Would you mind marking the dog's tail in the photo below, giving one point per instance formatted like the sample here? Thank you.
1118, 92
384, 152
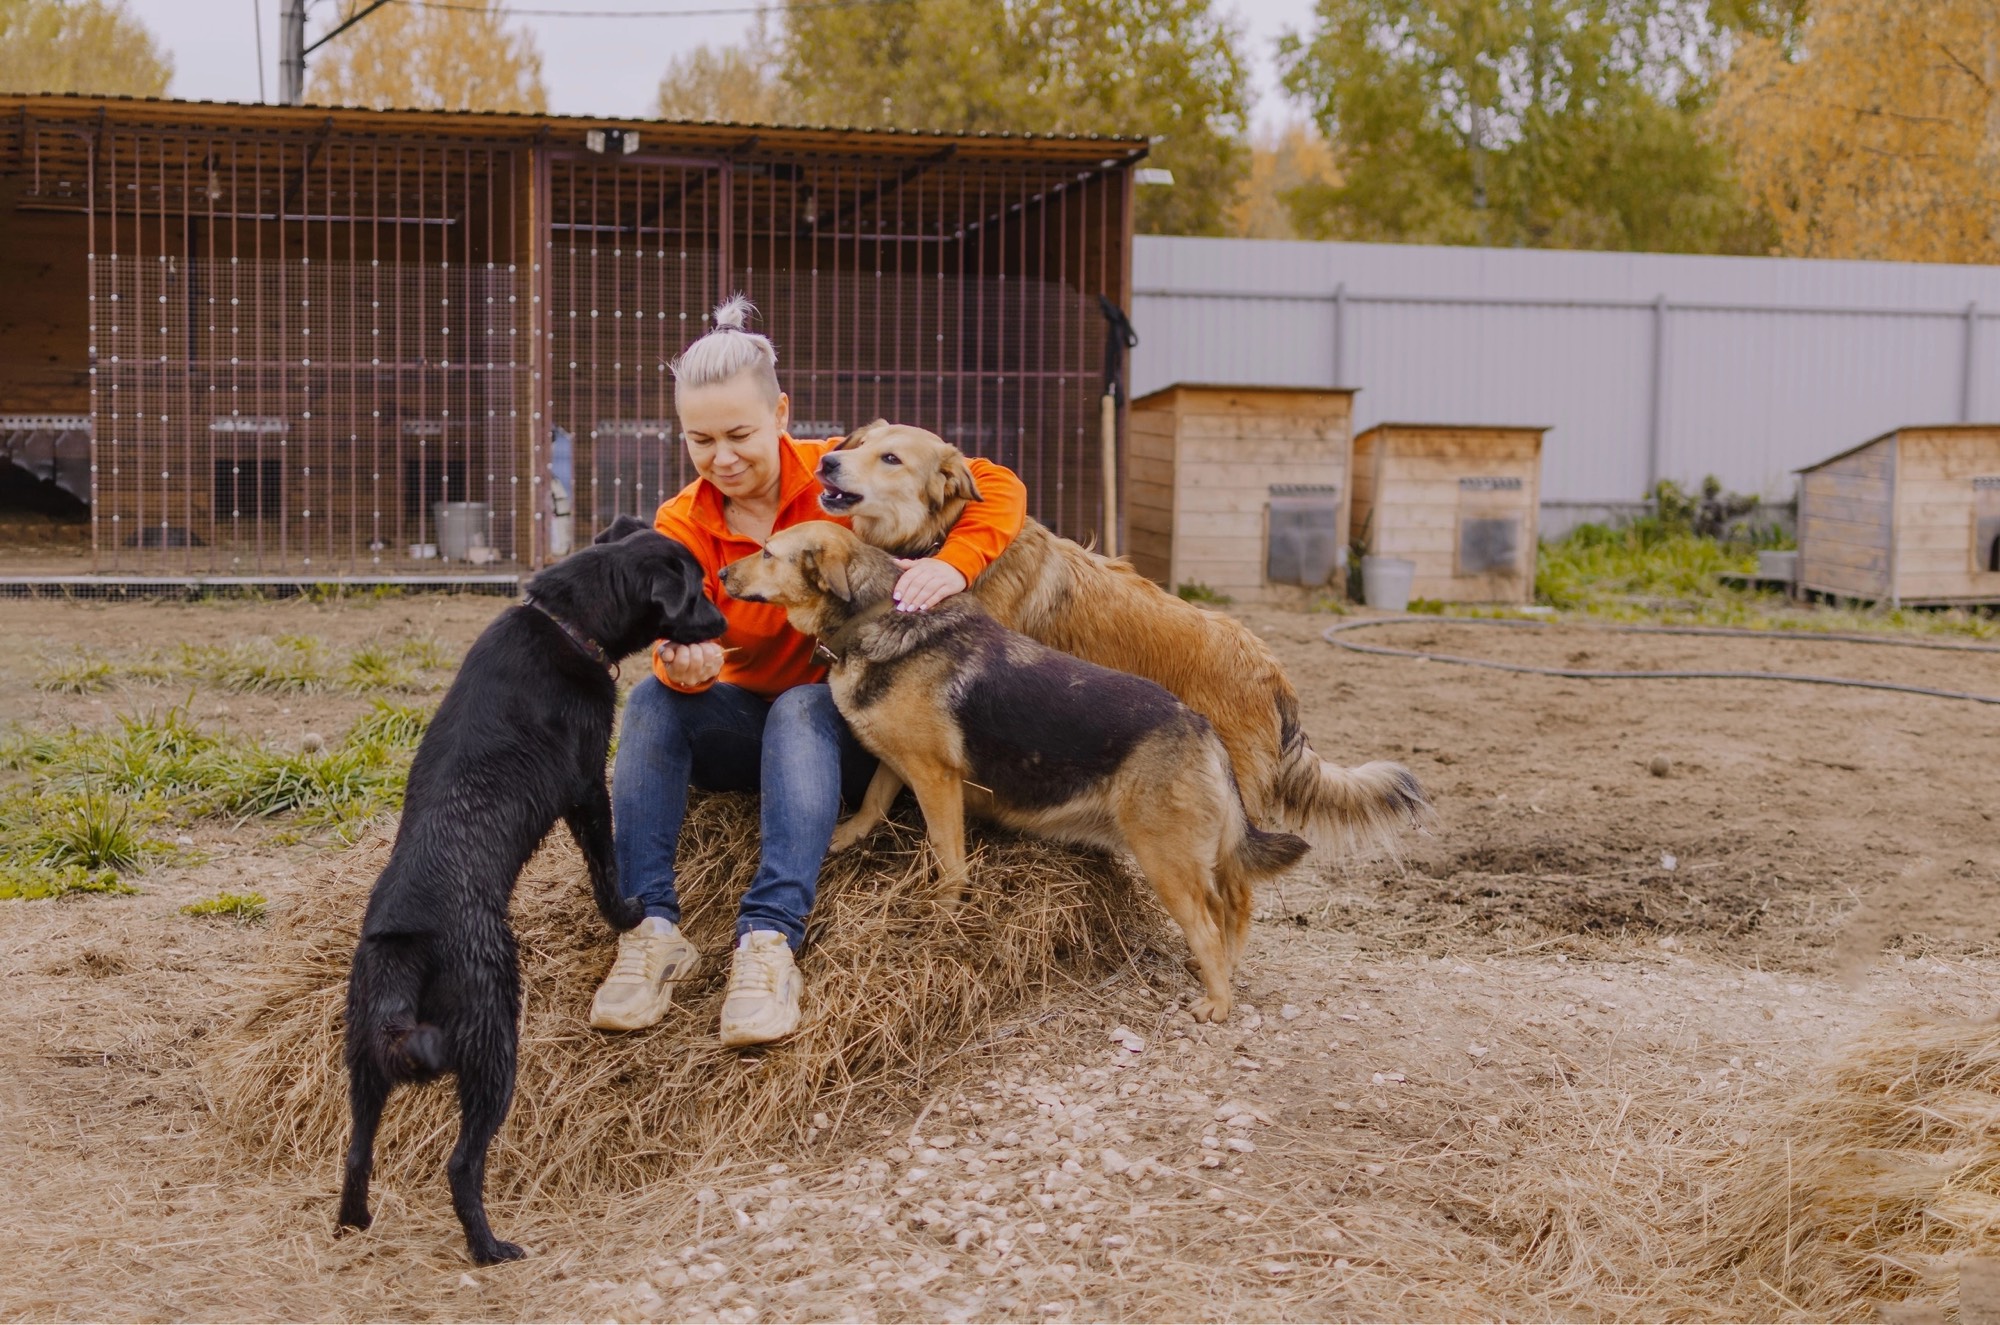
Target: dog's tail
382, 1017
1360, 807
619, 912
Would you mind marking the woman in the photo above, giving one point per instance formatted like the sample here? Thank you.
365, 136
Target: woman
751, 711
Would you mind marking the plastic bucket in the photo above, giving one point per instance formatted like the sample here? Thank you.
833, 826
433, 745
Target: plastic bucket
462, 526
1386, 581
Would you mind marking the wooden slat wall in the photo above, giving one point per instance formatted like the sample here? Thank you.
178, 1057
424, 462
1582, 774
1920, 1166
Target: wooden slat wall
1149, 489
1202, 462
1935, 512
1413, 502
1846, 509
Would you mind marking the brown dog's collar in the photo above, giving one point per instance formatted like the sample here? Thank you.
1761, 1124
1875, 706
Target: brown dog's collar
822, 651
589, 647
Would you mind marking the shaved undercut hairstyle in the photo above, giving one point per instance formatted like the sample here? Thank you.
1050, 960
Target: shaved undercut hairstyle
728, 350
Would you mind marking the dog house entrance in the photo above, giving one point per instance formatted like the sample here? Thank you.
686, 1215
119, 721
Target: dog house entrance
1489, 528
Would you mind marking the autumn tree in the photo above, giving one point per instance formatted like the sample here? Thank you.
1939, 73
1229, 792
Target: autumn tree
1166, 69
459, 58
79, 46
1877, 135
741, 84
1549, 123
1285, 161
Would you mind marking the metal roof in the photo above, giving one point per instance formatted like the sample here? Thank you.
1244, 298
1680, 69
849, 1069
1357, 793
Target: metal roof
520, 126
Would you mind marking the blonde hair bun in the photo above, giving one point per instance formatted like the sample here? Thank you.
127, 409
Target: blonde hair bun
727, 350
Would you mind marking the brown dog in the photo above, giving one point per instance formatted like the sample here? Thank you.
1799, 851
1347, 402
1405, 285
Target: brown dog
973, 716
904, 488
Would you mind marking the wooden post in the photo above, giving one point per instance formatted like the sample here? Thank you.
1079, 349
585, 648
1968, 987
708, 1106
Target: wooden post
1110, 428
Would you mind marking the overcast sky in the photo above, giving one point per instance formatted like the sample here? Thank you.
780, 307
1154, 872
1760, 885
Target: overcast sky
593, 66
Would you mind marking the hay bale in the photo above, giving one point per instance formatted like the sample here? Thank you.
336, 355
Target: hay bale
895, 985
1874, 1182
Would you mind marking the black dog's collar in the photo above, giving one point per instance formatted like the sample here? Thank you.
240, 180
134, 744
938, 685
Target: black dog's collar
590, 647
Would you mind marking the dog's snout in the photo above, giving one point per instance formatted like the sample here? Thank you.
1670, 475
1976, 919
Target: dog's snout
829, 463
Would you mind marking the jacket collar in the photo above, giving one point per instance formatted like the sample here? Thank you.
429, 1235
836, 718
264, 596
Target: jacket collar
795, 478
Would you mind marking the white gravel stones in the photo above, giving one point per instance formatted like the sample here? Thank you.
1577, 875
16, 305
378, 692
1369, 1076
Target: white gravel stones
1129, 1039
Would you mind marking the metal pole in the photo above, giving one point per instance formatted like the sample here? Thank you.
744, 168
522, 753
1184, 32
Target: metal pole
1656, 403
1967, 379
1110, 428
1340, 334
292, 52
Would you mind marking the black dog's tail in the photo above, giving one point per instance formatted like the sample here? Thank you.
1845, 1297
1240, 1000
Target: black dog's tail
619, 912
382, 1024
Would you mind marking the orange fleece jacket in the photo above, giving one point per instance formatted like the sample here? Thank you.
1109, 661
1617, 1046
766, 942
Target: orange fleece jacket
770, 656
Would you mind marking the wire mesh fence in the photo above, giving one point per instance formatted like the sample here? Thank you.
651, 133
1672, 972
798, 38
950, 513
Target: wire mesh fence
396, 352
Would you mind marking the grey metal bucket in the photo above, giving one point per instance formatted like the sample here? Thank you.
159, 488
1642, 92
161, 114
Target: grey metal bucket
1386, 581
462, 526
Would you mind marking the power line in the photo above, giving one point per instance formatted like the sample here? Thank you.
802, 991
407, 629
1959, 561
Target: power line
510, 12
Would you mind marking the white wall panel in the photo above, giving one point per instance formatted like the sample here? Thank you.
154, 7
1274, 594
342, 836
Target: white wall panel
1767, 364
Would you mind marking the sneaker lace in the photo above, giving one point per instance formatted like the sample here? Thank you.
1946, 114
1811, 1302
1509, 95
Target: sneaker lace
631, 962
754, 973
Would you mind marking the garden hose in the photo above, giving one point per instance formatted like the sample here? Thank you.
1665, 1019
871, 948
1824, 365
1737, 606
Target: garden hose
1598, 674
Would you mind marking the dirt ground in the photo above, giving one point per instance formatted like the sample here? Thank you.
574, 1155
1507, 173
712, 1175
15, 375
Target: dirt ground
1484, 1081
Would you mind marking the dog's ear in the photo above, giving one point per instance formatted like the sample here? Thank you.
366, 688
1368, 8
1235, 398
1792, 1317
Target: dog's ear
675, 590
826, 569
954, 478
860, 435
623, 527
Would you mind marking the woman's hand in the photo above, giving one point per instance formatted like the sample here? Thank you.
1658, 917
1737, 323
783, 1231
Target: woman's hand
926, 583
690, 664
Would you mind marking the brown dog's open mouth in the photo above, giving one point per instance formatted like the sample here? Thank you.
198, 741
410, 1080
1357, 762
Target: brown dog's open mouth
836, 500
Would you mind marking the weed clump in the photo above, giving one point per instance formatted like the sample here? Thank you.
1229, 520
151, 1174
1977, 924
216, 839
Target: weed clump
36, 883
248, 908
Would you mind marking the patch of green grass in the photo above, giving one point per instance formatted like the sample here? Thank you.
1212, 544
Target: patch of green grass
288, 665
1195, 592
164, 766
77, 673
248, 908
92, 831
1647, 572
400, 725
36, 883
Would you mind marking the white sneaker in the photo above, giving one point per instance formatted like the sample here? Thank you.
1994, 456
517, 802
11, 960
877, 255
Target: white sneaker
651, 956
762, 1001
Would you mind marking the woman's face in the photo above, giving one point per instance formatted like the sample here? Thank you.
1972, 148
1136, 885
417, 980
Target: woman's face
732, 434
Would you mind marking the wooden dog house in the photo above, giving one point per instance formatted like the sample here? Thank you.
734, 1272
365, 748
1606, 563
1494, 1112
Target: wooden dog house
1911, 517
1240, 490
1461, 502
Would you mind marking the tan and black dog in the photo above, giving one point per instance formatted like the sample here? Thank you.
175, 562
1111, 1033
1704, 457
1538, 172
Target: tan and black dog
904, 489
972, 716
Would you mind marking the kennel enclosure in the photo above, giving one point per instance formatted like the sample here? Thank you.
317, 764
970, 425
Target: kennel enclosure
359, 343
1461, 502
1912, 516
1240, 490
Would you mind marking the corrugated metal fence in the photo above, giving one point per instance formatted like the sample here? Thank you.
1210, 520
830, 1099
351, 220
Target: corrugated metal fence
1644, 366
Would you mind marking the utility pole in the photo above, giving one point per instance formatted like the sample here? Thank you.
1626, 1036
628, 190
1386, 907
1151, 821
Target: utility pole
292, 52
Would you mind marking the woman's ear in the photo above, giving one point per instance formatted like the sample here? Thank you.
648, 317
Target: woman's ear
784, 412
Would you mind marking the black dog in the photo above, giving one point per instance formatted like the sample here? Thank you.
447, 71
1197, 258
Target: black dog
519, 741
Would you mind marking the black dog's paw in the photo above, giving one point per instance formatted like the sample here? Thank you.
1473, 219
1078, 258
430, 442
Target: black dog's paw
496, 1251
623, 527
358, 1220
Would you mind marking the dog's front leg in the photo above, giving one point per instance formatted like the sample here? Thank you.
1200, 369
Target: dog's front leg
941, 796
875, 803
590, 824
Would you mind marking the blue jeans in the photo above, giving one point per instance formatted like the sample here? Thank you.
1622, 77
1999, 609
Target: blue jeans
796, 750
